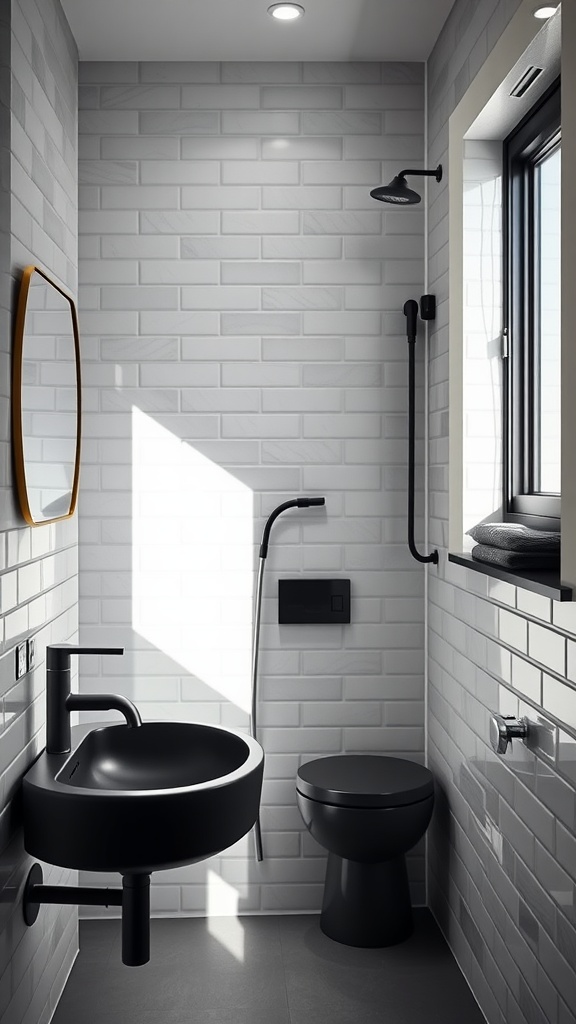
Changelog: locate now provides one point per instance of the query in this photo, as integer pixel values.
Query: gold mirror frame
(17, 431)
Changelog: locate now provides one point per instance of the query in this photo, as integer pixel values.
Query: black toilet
(367, 811)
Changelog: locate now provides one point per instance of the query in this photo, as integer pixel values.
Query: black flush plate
(311, 600)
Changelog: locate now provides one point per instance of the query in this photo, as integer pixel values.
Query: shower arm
(411, 313)
(293, 503)
(436, 173)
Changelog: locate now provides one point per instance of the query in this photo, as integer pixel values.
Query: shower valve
(503, 728)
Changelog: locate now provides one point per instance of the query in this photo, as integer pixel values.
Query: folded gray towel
(516, 559)
(515, 537)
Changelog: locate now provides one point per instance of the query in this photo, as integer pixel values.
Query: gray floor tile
(238, 1015)
(302, 939)
(264, 970)
(303, 943)
(198, 1015)
(415, 982)
(350, 997)
(173, 991)
(250, 941)
(99, 941)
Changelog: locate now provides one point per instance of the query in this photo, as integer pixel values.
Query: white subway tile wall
(502, 852)
(6, 498)
(38, 567)
(242, 343)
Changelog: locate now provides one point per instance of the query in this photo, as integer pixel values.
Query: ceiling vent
(527, 78)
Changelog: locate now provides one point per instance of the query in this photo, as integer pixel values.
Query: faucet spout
(105, 702)
(60, 701)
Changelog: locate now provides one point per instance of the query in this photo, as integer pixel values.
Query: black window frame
(537, 134)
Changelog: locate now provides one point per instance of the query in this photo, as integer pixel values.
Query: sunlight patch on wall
(192, 561)
(223, 903)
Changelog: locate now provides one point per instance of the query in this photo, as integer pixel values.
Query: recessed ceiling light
(545, 12)
(286, 12)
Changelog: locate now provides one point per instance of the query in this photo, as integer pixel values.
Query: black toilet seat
(365, 780)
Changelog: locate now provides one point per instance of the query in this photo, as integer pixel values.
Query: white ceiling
(207, 30)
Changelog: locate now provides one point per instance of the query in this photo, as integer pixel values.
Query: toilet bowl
(367, 811)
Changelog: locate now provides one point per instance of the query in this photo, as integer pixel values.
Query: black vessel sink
(160, 755)
(142, 799)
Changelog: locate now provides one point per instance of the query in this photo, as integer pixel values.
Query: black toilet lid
(365, 780)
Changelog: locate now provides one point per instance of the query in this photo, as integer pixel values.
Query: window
(532, 155)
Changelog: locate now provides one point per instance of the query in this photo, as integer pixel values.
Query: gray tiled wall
(241, 303)
(502, 849)
(38, 567)
(6, 499)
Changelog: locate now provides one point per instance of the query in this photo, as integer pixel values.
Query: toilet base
(366, 904)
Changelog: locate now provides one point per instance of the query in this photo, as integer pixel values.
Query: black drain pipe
(133, 897)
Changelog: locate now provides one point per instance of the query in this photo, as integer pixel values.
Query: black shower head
(398, 192)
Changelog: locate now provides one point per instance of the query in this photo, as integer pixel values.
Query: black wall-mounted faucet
(60, 701)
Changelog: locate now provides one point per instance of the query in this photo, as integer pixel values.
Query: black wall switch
(316, 601)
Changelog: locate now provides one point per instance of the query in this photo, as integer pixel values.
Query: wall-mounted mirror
(46, 400)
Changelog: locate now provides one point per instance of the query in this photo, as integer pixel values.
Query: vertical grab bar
(411, 313)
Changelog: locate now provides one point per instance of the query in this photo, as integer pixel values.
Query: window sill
(544, 581)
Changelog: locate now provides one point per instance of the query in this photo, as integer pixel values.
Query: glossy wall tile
(38, 567)
(502, 858)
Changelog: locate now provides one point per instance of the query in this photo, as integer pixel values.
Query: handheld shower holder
(302, 502)
(293, 503)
